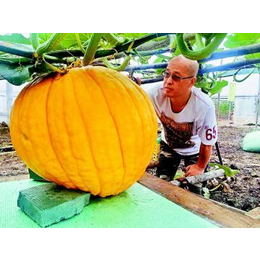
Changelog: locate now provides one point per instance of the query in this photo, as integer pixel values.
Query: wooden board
(222, 215)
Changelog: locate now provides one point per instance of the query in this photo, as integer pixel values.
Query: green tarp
(251, 142)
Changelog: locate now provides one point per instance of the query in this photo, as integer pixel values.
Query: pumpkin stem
(92, 48)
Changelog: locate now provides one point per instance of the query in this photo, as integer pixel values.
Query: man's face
(173, 84)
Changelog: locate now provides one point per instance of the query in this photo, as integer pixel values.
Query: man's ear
(193, 81)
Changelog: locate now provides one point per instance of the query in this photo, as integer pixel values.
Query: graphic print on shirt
(177, 135)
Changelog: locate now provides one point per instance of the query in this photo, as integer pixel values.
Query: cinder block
(49, 203)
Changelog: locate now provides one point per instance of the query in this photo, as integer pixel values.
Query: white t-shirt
(184, 131)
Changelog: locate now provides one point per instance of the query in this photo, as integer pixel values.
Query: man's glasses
(174, 77)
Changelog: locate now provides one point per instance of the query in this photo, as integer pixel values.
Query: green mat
(137, 207)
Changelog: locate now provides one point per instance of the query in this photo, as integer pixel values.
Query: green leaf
(235, 40)
(15, 38)
(227, 170)
(218, 87)
(253, 56)
(133, 35)
(15, 74)
(178, 175)
(69, 41)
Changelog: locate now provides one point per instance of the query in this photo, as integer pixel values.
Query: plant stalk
(79, 43)
(203, 53)
(92, 48)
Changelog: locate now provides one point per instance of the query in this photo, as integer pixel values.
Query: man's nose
(169, 80)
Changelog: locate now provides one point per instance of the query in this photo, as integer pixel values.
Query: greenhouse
(130, 130)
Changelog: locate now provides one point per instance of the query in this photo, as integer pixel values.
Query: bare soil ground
(11, 167)
(241, 191)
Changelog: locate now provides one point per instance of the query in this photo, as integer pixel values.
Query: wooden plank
(225, 217)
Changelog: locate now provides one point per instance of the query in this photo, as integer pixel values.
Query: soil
(11, 167)
(241, 191)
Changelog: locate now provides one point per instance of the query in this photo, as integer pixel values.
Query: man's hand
(199, 167)
(138, 81)
(192, 170)
(135, 79)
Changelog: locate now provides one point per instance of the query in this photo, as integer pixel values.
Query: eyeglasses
(174, 77)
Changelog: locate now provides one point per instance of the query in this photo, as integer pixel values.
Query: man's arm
(199, 167)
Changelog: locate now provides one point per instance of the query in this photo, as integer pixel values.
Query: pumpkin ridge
(66, 126)
(25, 111)
(134, 105)
(29, 128)
(91, 148)
(150, 109)
(116, 126)
(86, 131)
(18, 122)
(69, 139)
(50, 138)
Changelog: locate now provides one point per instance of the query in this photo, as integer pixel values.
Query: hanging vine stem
(79, 43)
(92, 48)
(52, 67)
(125, 62)
(117, 68)
(241, 80)
(203, 53)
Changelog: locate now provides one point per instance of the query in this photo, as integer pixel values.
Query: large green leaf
(69, 41)
(15, 74)
(218, 86)
(235, 40)
(253, 56)
(15, 38)
(228, 171)
(133, 35)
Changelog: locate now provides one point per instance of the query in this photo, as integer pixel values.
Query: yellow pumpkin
(91, 129)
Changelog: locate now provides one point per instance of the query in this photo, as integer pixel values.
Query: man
(188, 119)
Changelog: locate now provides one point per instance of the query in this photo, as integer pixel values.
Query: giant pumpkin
(91, 129)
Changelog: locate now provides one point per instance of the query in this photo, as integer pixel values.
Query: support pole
(257, 102)
(218, 104)
(9, 100)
